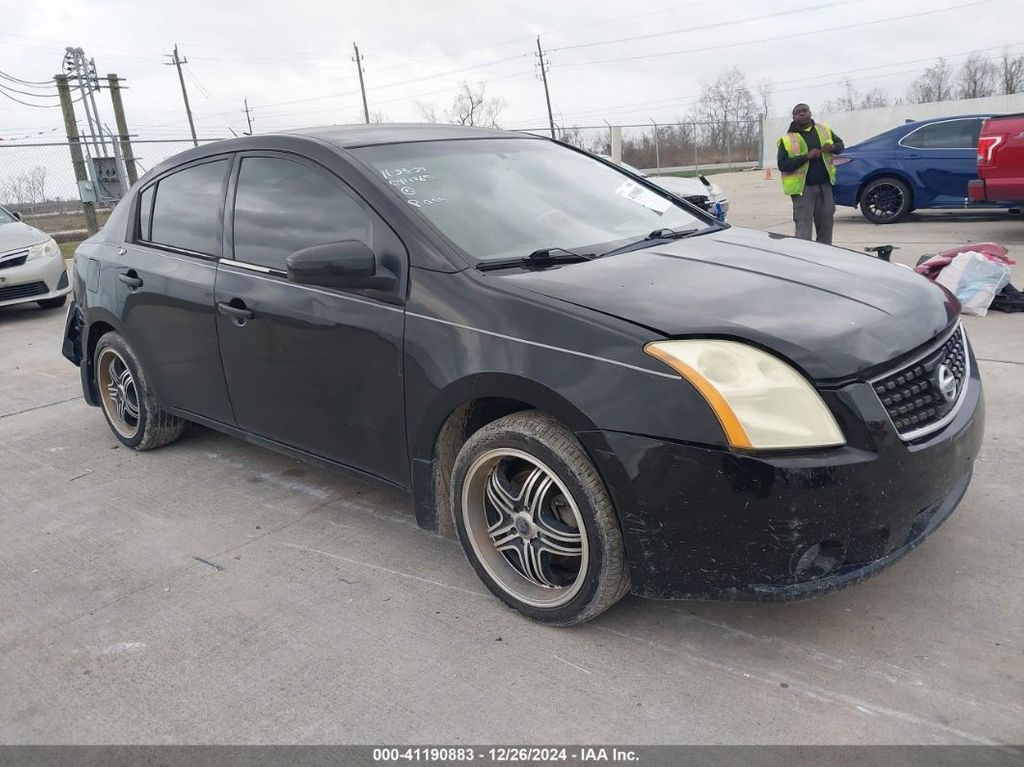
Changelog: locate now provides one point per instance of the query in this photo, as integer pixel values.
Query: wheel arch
(100, 323)
(459, 411)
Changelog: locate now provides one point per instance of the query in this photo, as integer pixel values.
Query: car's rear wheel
(885, 200)
(536, 522)
(52, 303)
(129, 404)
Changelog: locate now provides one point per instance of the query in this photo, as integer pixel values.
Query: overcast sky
(293, 60)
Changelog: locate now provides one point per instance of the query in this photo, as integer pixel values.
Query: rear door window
(187, 210)
(951, 134)
(282, 206)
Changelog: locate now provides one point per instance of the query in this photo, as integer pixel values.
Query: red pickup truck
(1000, 162)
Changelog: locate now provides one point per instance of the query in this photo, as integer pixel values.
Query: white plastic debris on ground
(974, 280)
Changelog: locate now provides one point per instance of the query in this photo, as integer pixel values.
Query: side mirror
(346, 264)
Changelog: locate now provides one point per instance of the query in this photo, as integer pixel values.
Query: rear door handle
(130, 278)
(238, 313)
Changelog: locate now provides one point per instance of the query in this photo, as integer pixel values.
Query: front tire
(536, 522)
(885, 200)
(129, 404)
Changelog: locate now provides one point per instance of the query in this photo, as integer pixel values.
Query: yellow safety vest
(794, 181)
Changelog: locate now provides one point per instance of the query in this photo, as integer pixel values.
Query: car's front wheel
(536, 522)
(129, 404)
(885, 200)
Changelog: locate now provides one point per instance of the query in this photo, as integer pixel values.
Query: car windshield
(505, 198)
(6, 218)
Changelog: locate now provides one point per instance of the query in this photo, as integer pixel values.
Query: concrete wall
(856, 126)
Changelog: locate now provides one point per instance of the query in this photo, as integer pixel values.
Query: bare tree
(1011, 72)
(764, 96)
(722, 104)
(853, 99)
(26, 188)
(936, 84)
(379, 117)
(874, 98)
(976, 78)
(471, 106)
(429, 113)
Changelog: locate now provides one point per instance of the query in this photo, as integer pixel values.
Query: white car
(699, 191)
(31, 266)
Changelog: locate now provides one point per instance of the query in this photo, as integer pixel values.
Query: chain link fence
(672, 147)
(38, 182)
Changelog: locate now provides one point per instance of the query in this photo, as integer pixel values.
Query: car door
(942, 157)
(163, 281)
(316, 369)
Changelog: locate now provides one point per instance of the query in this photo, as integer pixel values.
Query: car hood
(687, 187)
(18, 235)
(830, 311)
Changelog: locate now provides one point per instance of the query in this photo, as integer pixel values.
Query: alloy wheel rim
(525, 528)
(118, 393)
(885, 200)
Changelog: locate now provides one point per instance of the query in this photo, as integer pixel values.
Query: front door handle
(238, 313)
(130, 278)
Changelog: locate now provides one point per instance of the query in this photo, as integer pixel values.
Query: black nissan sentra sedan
(600, 387)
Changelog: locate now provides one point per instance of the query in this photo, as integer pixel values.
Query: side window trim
(155, 183)
(137, 234)
(930, 125)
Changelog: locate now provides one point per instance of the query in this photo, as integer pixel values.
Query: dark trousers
(815, 206)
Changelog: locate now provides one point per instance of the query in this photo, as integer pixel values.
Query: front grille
(923, 396)
(23, 291)
(16, 258)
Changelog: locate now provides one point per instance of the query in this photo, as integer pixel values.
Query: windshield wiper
(539, 259)
(657, 235)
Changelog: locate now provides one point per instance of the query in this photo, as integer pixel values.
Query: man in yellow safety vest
(808, 175)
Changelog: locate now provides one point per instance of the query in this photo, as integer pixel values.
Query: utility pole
(177, 62)
(359, 67)
(544, 76)
(75, 144)
(248, 119)
(122, 128)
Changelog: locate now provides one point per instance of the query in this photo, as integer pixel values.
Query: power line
(6, 95)
(801, 83)
(30, 83)
(29, 93)
(775, 38)
(714, 25)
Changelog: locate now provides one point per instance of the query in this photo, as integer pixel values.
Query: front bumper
(36, 280)
(706, 523)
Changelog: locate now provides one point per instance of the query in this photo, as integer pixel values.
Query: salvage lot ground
(213, 591)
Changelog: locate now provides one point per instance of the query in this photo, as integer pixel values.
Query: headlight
(47, 249)
(761, 402)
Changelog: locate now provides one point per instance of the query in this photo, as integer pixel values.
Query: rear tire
(886, 200)
(536, 522)
(128, 403)
(53, 303)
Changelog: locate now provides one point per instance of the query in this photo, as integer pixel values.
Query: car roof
(350, 136)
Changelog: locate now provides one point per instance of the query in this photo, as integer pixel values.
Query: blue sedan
(923, 164)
